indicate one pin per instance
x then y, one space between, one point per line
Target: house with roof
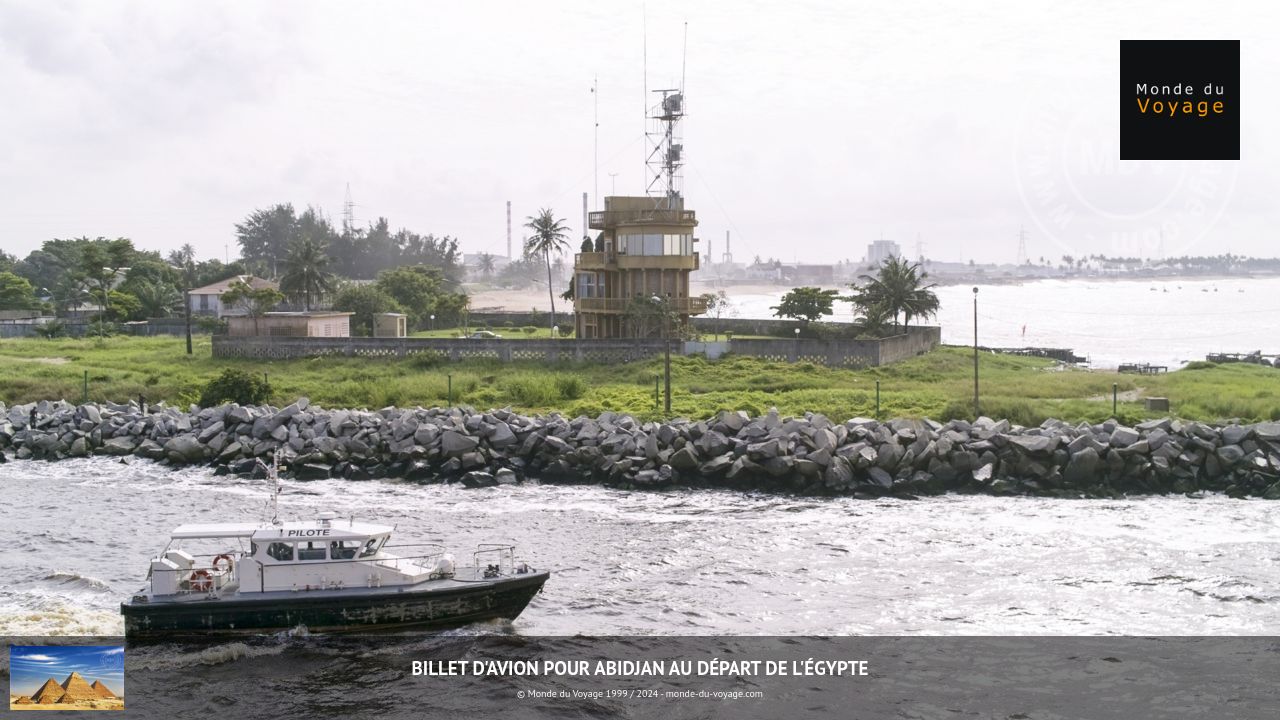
207 300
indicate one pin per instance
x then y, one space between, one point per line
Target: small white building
207 300
292 324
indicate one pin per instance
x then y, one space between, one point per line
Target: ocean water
685 562
1162 322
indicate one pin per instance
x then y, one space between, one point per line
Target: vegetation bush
50 330
237 386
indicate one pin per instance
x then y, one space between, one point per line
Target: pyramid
76 688
49 693
102 690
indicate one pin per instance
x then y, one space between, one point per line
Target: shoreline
810 455
489 299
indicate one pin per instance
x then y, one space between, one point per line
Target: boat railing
402 563
498 552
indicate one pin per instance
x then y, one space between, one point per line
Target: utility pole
187 302
976 412
509 256
664 304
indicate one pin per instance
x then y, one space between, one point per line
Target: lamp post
666 354
976 412
433 323
796 347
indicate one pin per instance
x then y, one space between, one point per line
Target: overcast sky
813 127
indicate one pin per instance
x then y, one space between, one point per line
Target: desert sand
104 704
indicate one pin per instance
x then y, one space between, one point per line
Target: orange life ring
220 558
201 581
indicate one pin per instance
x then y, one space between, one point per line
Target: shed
394 325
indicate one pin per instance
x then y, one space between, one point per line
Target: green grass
937 385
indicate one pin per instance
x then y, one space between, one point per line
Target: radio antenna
684 55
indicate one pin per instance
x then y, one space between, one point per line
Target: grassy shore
937 385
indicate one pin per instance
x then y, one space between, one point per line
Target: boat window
343 549
371 547
311 552
280 551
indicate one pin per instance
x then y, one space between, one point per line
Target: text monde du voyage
1180 100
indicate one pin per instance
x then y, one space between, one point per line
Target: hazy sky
813 127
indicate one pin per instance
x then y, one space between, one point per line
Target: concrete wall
836 353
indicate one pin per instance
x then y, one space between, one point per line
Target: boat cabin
322 554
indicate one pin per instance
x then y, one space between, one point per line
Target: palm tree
182 257
896 289
549 235
159 300
486 264
306 273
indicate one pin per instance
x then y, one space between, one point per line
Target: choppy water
78 535
1163 322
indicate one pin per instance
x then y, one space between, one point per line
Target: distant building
292 324
207 300
880 250
647 251
769 270
809 274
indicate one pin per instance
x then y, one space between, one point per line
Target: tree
420 291
806 304
7 261
486 264
306 273
100 265
897 289
255 302
717 306
649 315
183 256
123 306
549 236
156 300
16 293
365 301
264 236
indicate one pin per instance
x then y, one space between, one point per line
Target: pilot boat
327 574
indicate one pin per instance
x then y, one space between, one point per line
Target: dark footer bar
512 676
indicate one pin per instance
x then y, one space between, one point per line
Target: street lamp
433 323
796 350
976 413
666 353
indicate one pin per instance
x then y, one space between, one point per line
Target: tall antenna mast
595 96
666 146
509 256
348 213
1022 245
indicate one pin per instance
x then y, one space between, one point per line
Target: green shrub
211 325
570 387
236 386
1200 365
528 330
50 330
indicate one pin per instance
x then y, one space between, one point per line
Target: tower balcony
615 261
680 305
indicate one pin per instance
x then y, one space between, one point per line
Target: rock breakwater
810 454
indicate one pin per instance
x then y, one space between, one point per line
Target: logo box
1179 99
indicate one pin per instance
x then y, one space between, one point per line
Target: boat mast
274 474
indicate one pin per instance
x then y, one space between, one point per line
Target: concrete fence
836 353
